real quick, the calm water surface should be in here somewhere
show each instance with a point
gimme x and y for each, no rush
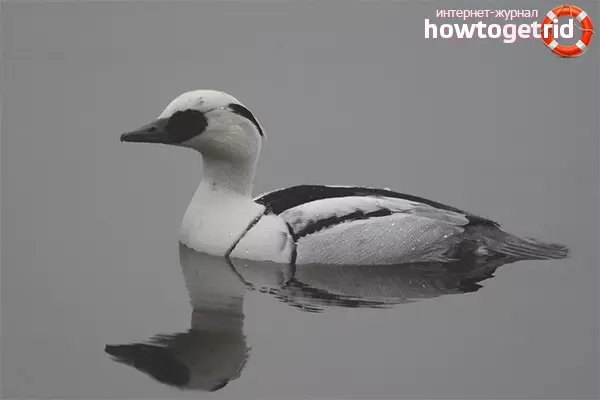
(214, 350)
(99, 301)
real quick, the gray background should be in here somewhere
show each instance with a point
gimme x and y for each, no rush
(348, 93)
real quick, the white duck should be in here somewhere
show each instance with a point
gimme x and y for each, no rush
(310, 224)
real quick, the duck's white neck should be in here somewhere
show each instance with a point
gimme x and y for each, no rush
(229, 177)
(223, 208)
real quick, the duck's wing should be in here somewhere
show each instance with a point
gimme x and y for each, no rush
(357, 225)
(281, 200)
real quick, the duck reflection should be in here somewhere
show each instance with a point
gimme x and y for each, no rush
(214, 350)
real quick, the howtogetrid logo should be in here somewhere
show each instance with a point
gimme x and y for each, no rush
(550, 31)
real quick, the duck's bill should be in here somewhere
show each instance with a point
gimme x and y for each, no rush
(154, 132)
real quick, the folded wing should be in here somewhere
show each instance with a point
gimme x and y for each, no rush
(342, 225)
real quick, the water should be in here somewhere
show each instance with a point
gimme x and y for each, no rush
(215, 350)
(91, 271)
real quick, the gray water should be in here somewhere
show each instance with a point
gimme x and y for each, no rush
(348, 94)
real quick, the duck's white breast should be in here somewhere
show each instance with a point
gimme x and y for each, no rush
(268, 240)
(213, 222)
(216, 223)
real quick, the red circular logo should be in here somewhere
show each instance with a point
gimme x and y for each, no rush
(587, 30)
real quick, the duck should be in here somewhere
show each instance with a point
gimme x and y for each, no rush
(310, 224)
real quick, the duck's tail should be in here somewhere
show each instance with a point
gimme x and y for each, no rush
(490, 240)
(529, 249)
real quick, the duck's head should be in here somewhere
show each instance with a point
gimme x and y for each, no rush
(212, 122)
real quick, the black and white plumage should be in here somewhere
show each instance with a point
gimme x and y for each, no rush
(359, 225)
(310, 224)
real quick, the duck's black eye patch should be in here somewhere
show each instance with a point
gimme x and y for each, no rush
(244, 112)
(184, 125)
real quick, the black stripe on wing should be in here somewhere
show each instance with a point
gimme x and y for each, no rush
(281, 200)
(315, 226)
